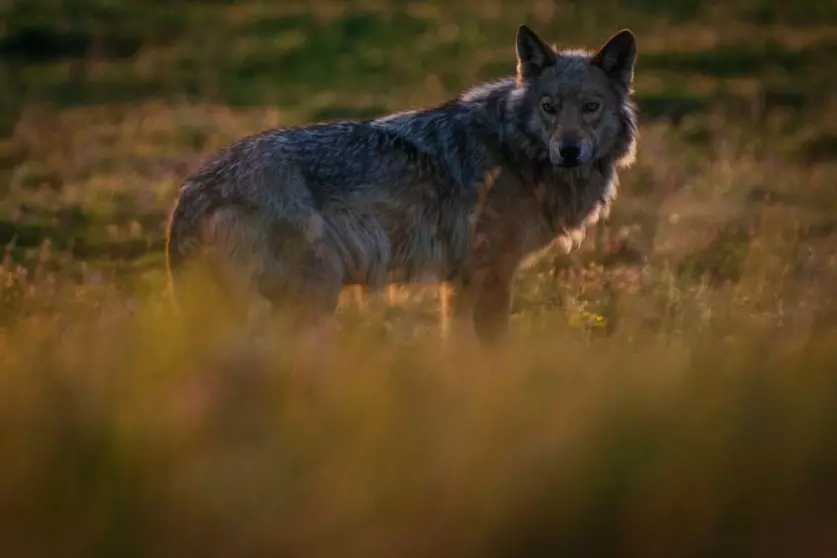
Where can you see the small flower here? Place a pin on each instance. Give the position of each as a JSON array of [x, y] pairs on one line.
[[584, 318]]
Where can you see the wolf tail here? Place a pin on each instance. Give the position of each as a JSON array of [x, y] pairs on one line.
[[183, 231]]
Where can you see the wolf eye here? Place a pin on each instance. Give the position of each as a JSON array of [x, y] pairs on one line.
[[592, 106], [548, 107]]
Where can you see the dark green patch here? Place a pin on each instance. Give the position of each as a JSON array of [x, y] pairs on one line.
[[497, 69], [341, 112], [353, 51], [38, 44], [781, 12], [746, 59], [127, 249], [82, 234], [785, 99], [672, 107], [820, 149], [31, 177], [721, 260]]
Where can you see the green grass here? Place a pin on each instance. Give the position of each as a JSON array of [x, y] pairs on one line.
[[670, 392]]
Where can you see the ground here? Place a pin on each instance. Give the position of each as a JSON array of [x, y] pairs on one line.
[[669, 389]]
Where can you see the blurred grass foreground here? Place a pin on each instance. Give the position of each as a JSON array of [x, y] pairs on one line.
[[670, 390]]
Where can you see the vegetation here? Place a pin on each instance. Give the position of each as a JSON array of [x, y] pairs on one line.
[[670, 390]]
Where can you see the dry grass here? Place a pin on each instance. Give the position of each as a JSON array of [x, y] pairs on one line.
[[669, 392], [706, 433]]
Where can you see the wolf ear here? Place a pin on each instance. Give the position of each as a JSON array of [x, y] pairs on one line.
[[533, 54], [617, 57]]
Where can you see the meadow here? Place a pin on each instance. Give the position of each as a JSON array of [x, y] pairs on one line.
[[669, 390]]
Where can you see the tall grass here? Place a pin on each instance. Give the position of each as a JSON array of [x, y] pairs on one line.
[[123, 434]]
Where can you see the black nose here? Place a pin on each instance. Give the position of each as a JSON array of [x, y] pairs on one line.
[[569, 155]]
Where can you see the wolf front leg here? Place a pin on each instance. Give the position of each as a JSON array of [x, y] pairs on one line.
[[475, 310], [456, 306], [491, 310]]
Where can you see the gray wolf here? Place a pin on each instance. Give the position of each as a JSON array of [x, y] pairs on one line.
[[460, 193]]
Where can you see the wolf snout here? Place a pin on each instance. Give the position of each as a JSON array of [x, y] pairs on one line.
[[570, 155], [567, 155]]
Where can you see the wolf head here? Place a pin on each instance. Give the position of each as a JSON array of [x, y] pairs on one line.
[[577, 102]]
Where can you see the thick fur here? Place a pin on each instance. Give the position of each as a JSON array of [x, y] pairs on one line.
[[459, 193]]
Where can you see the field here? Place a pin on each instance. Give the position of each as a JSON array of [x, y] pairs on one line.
[[669, 390]]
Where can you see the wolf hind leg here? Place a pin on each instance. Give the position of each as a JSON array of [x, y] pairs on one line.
[[300, 274], [214, 286], [260, 268]]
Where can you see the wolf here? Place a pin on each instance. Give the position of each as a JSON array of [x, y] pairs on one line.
[[459, 193]]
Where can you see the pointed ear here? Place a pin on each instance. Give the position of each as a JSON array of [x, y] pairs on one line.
[[617, 57], [533, 54]]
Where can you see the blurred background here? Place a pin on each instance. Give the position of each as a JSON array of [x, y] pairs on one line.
[[109, 104], [674, 394]]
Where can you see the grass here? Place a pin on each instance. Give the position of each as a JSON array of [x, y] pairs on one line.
[[669, 392]]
